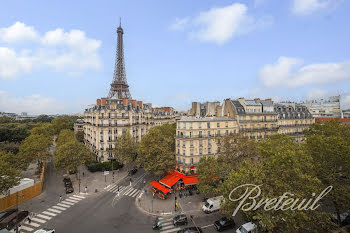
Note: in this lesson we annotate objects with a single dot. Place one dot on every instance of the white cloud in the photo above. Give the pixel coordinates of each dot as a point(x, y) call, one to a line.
point(221, 24)
point(305, 7)
point(291, 73)
point(71, 52)
point(33, 104)
point(179, 24)
point(18, 32)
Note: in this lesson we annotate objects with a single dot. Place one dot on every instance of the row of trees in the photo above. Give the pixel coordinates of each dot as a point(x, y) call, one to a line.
point(281, 165)
point(33, 147)
point(155, 151)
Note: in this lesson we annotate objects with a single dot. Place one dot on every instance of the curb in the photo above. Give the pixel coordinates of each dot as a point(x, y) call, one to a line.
point(149, 213)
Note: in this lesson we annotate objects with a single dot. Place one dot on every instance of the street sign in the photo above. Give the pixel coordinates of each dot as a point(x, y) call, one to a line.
point(106, 173)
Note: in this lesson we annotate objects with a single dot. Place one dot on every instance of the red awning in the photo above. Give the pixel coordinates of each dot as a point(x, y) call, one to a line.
point(171, 179)
point(190, 180)
point(160, 187)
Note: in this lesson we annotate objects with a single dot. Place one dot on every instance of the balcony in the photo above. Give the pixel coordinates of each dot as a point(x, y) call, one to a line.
point(261, 120)
point(258, 129)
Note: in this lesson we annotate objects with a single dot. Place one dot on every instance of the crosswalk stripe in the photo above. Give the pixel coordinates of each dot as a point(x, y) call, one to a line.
point(167, 227)
point(111, 187)
point(33, 224)
point(38, 220)
point(68, 203)
point(130, 194)
point(127, 192)
point(166, 220)
point(171, 230)
point(55, 211)
point(63, 205)
point(70, 200)
point(58, 207)
point(120, 190)
point(43, 216)
point(75, 198)
point(79, 196)
point(48, 213)
point(168, 223)
point(134, 195)
point(27, 228)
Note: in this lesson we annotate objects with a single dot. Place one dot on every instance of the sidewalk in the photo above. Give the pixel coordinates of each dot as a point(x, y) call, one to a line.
point(95, 181)
point(155, 206)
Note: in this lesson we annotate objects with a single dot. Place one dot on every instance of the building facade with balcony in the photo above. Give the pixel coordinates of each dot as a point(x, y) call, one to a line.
point(256, 118)
point(293, 119)
point(109, 118)
point(197, 137)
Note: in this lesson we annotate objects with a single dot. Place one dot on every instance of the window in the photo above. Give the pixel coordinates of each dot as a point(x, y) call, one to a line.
point(209, 142)
point(191, 160)
point(191, 152)
point(191, 143)
point(200, 142)
point(226, 124)
point(178, 142)
point(218, 124)
point(183, 152)
point(184, 161)
point(208, 125)
point(209, 150)
point(191, 125)
point(184, 125)
point(200, 151)
point(209, 134)
point(178, 151)
point(199, 125)
point(218, 132)
point(190, 134)
point(226, 133)
point(200, 134)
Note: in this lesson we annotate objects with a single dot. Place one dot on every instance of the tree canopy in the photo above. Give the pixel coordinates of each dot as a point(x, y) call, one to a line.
point(157, 149)
point(125, 148)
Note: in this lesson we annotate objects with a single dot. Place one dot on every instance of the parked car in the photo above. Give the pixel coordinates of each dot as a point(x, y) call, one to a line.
point(180, 220)
point(132, 171)
point(224, 224)
point(248, 227)
point(344, 218)
point(45, 230)
point(69, 189)
point(13, 219)
point(191, 230)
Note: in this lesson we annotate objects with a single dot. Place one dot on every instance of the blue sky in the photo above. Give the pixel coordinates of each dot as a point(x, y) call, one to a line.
point(58, 56)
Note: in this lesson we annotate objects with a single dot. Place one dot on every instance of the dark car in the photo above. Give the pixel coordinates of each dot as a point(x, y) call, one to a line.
point(180, 220)
point(69, 189)
point(13, 219)
point(224, 224)
point(191, 230)
point(67, 181)
point(132, 171)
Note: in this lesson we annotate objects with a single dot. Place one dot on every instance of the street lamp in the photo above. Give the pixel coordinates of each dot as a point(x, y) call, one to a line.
point(21, 195)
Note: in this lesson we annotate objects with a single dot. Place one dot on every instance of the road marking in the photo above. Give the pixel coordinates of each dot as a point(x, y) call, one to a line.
point(75, 198)
point(63, 205)
point(27, 228)
point(48, 213)
point(68, 203)
point(208, 226)
point(55, 211)
point(167, 227)
point(33, 224)
point(127, 192)
point(112, 188)
point(43, 216)
point(70, 200)
point(38, 220)
point(81, 197)
point(107, 186)
point(58, 207)
point(132, 193)
point(120, 189)
point(171, 230)
point(167, 223)
point(141, 194)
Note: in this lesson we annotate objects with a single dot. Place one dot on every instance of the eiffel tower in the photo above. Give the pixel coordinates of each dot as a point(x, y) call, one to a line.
point(119, 87)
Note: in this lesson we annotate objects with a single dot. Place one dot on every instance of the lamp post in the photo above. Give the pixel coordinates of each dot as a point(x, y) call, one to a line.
point(21, 195)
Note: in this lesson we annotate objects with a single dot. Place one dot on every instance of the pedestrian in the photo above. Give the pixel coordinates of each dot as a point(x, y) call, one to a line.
point(19, 228)
point(83, 174)
point(85, 189)
point(118, 189)
point(60, 198)
point(144, 181)
point(29, 219)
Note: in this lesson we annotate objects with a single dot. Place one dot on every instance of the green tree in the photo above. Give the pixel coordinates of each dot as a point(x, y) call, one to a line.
point(329, 146)
point(5, 119)
point(79, 136)
point(125, 148)
point(72, 154)
point(157, 149)
point(43, 118)
point(284, 167)
point(34, 147)
point(9, 176)
point(65, 135)
point(210, 175)
point(9, 147)
point(62, 122)
point(43, 128)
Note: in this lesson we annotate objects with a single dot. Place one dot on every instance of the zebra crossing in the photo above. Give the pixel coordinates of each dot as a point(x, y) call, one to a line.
point(38, 219)
point(123, 190)
point(168, 225)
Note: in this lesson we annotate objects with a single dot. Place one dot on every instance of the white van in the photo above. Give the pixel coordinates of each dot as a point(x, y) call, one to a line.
point(248, 227)
point(212, 204)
